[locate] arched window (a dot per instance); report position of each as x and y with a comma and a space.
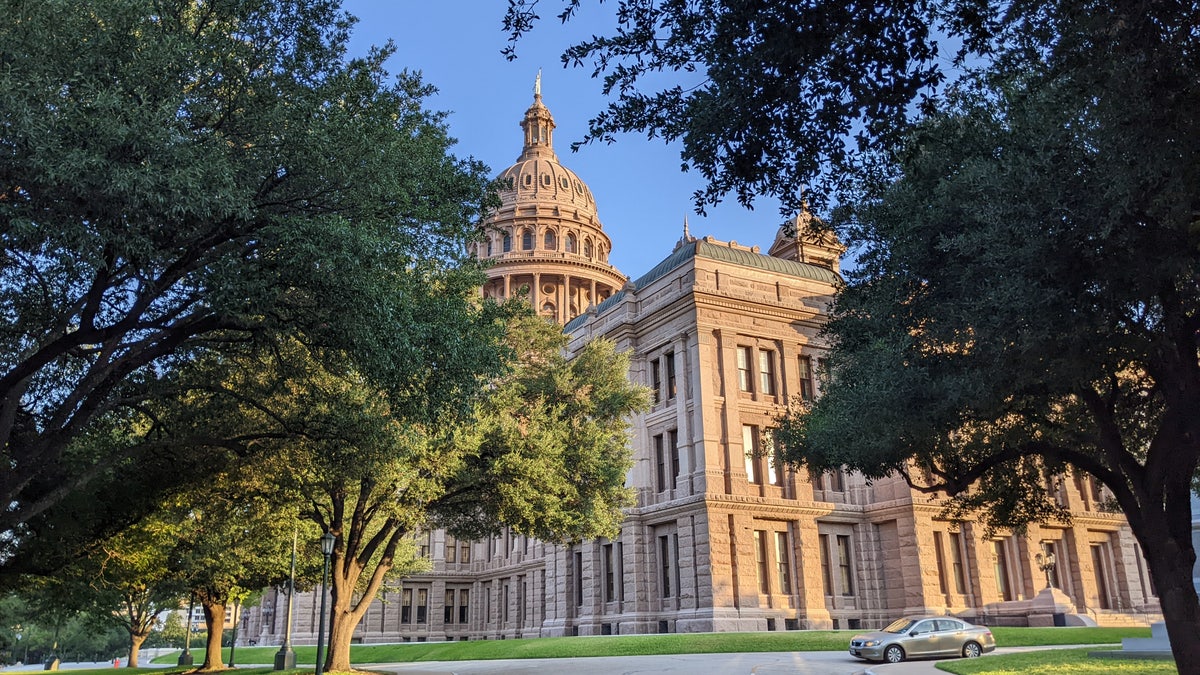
489, 245
603, 254
551, 241
507, 241
548, 309
527, 240
587, 248
570, 243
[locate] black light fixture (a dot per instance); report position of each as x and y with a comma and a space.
185, 659
327, 542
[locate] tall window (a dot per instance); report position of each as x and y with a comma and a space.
655, 381
664, 565
836, 480
766, 372
570, 243
550, 240
660, 460
489, 246
507, 242
845, 571
669, 361
806, 379
749, 442
760, 559
673, 449
448, 608
406, 606
463, 603
826, 573
956, 563
743, 365
587, 248
941, 565
527, 240
578, 578
783, 562
464, 552
422, 604
768, 440
609, 574
1000, 561
451, 549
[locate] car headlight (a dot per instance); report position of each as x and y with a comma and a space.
871, 643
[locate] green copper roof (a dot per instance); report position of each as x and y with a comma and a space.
700, 248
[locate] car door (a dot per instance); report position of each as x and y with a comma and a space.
950, 636
922, 639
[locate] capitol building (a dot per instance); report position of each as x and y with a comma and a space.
724, 334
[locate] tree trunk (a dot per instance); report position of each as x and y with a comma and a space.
1171, 568
135, 646
341, 634
214, 620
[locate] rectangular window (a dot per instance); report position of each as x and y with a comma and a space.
956, 563
743, 364
826, 573
1000, 562
422, 604
451, 549
806, 379
783, 562
506, 603
837, 480
406, 606
845, 571
660, 461
448, 608
760, 559
620, 571
579, 578
766, 372
673, 445
463, 612
465, 553
609, 574
655, 381
941, 566
424, 545
773, 473
664, 562
749, 439
669, 361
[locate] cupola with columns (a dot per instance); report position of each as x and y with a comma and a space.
546, 238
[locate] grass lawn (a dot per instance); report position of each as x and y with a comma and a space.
637, 645
1056, 662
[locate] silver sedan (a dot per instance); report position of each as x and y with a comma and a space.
919, 637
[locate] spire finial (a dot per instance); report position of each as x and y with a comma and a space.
686, 234
537, 85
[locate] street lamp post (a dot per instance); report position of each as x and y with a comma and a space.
185, 659
1046, 563
237, 602
285, 658
327, 541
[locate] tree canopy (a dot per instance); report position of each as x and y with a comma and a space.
181, 178
1027, 299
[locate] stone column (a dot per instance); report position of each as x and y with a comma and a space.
810, 583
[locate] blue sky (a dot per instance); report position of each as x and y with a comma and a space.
640, 190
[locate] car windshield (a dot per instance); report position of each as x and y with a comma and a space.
899, 626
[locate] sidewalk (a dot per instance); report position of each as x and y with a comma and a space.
928, 667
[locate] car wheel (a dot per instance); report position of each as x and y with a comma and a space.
972, 650
893, 654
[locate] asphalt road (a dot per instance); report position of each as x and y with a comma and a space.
760, 663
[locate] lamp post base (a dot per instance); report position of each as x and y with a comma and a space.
285, 659
185, 659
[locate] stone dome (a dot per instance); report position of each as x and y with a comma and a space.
545, 241
537, 175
